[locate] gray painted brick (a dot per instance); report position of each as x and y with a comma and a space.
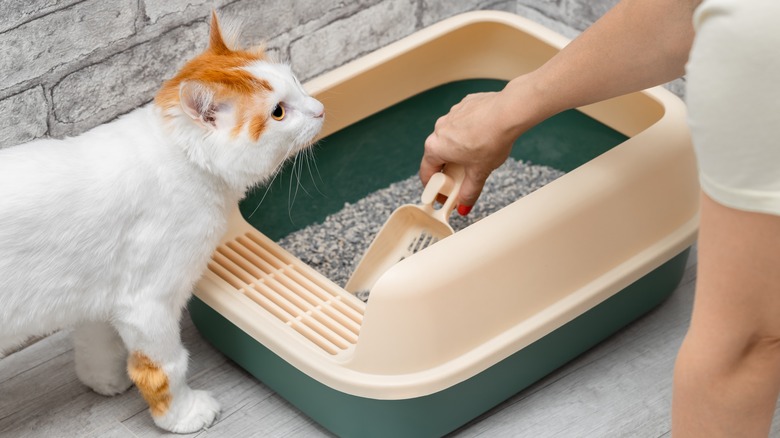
270, 19
16, 12
549, 8
580, 14
437, 10
350, 37
100, 92
177, 12
677, 87
291, 18
555, 25
23, 117
39, 46
156, 9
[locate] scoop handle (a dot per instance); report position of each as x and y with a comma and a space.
447, 183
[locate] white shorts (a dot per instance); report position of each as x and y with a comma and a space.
733, 97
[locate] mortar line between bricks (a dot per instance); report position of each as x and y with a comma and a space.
549, 17
45, 14
141, 20
144, 22
207, 17
340, 18
335, 19
420, 13
492, 4
49, 98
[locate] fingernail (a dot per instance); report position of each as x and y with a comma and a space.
464, 209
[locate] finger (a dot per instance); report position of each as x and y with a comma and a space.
439, 123
430, 162
470, 97
469, 192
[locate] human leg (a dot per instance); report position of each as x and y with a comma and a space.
727, 374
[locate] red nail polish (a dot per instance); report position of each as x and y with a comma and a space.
463, 210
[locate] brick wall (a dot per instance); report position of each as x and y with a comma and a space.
69, 65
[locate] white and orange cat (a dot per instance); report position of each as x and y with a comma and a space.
107, 232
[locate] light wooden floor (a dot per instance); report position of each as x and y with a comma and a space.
621, 388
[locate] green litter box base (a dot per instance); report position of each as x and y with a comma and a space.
442, 412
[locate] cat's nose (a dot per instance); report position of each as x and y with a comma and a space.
317, 109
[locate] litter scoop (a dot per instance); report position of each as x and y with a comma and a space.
409, 229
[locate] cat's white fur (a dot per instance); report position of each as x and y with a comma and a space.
107, 232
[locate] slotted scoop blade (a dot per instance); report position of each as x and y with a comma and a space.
409, 229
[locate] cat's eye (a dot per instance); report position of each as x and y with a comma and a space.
278, 112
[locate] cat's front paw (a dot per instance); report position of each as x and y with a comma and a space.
199, 413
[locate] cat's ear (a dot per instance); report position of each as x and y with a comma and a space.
217, 40
198, 102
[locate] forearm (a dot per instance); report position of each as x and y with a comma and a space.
636, 45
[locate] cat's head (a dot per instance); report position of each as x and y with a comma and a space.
236, 113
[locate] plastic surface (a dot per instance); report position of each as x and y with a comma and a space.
441, 412
437, 318
410, 229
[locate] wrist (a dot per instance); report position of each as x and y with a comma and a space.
525, 104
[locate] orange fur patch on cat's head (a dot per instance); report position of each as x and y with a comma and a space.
236, 113
219, 71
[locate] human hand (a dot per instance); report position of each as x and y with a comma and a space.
477, 133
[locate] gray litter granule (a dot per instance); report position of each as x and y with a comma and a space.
335, 246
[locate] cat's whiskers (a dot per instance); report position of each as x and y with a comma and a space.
276, 173
309, 155
267, 188
306, 156
304, 159
290, 194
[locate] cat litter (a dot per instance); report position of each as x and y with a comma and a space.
335, 246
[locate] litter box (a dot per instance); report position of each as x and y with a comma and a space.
459, 327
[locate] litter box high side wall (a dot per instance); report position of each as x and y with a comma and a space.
70, 65
538, 263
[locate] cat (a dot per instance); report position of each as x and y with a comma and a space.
107, 232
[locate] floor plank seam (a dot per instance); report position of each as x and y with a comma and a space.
133, 415
34, 366
127, 430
